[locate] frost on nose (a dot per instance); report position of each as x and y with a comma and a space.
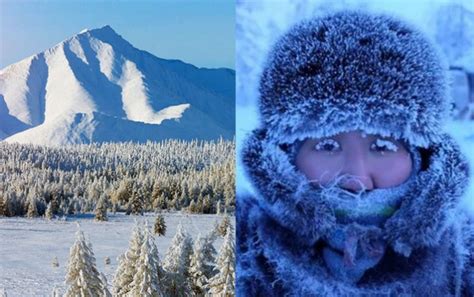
356, 183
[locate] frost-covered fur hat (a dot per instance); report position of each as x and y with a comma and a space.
354, 70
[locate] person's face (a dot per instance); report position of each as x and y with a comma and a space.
370, 161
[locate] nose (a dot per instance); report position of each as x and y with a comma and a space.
356, 174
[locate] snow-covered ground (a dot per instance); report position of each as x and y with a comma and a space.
28, 246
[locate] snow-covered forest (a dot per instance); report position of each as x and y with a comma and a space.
196, 176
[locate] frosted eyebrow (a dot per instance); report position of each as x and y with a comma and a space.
320, 145
390, 145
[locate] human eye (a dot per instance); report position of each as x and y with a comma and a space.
383, 145
328, 145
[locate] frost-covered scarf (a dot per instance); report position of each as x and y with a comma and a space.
356, 244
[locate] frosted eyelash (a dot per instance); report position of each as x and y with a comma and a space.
321, 144
385, 143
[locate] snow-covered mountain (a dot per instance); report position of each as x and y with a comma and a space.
97, 87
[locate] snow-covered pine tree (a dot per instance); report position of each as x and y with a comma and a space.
83, 278
3, 206
101, 209
198, 280
202, 264
160, 225
122, 195
32, 208
209, 255
207, 205
127, 266
192, 207
218, 207
176, 264
222, 228
147, 281
49, 211
136, 203
223, 283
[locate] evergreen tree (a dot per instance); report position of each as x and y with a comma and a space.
82, 277
223, 283
32, 208
176, 263
128, 263
218, 207
123, 193
192, 207
101, 210
207, 205
3, 206
223, 226
209, 255
136, 203
160, 202
148, 277
49, 211
202, 264
160, 225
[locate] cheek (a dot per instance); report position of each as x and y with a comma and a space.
391, 171
318, 167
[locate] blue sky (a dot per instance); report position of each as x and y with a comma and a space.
200, 32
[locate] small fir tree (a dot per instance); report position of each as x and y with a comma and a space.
223, 283
222, 228
148, 277
83, 278
101, 210
176, 263
32, 208
128, 263
202, 264
136, 203
49, 211
160, 225
3, 207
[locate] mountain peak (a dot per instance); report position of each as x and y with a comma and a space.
107, 29
105, 34
95, 86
